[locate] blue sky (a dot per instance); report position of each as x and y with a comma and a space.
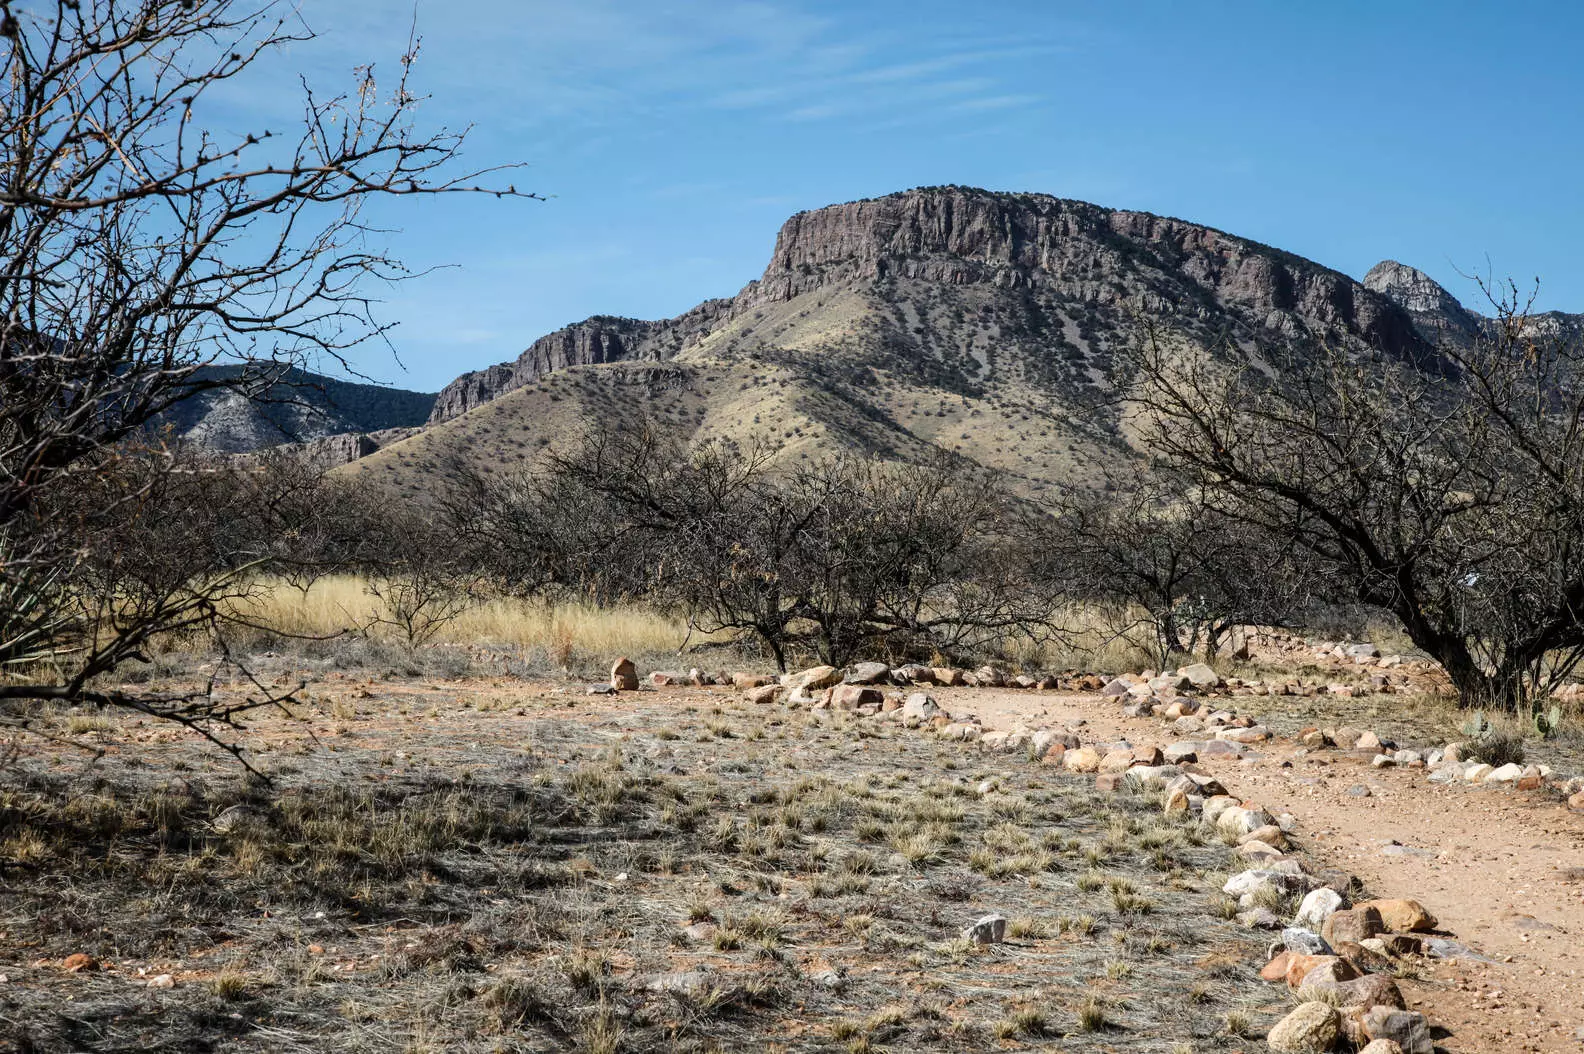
675, 137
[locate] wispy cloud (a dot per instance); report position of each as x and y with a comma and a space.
607, 62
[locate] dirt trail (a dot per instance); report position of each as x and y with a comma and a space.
1503, 871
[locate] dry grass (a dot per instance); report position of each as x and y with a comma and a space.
471, 878
561, 631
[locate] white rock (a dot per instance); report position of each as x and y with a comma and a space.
1318, 906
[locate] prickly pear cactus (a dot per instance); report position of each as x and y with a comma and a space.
1476, 725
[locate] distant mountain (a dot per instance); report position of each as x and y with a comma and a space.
300, 407
941, 318
1437, 314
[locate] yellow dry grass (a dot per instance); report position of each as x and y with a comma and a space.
343, 603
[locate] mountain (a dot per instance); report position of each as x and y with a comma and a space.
983, 323
299, 407
1438, 316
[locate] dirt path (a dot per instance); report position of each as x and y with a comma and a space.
1502, 870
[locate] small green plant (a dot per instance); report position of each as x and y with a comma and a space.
1547, 723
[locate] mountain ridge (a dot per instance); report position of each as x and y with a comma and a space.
962, 236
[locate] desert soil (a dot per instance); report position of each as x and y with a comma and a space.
1503, 871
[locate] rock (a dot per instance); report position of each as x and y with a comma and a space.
1109, 782
1401, 915
1505, 774
1400, 944
1312, 1028
1383, 761
913, 673
765, 694
624, 675
1368, 743
1258, 852
1269, 834
1363, 651
1345, 737
163, 980
1259, 919
963, 731
1117, 688
989, 930
1576, 802
947, 677
750, 681
1318, 906
1276, 969
989, 677
919, 708
1381, 1046
1333, 967
1249, 882
1116, 761
1364, 959
1182, 752
79, 962
601, 689
1199, 675
1300, 941
815, 678
1151, 777
1354, 925
1406, 1028
1477, 772
868, 673
854, 696
1083, 759
1240, 821
1176, 802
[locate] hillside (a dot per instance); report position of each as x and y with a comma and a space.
982, 323
300, 407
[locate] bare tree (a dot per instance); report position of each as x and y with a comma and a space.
843, 557
138, 246
1449, 491
1168, 559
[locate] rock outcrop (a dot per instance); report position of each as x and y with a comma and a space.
1059, 262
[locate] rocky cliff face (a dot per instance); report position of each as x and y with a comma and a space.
1435, 312
601, 339
298, 408
1057, 251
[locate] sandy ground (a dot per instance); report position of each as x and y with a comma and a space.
1502, 870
